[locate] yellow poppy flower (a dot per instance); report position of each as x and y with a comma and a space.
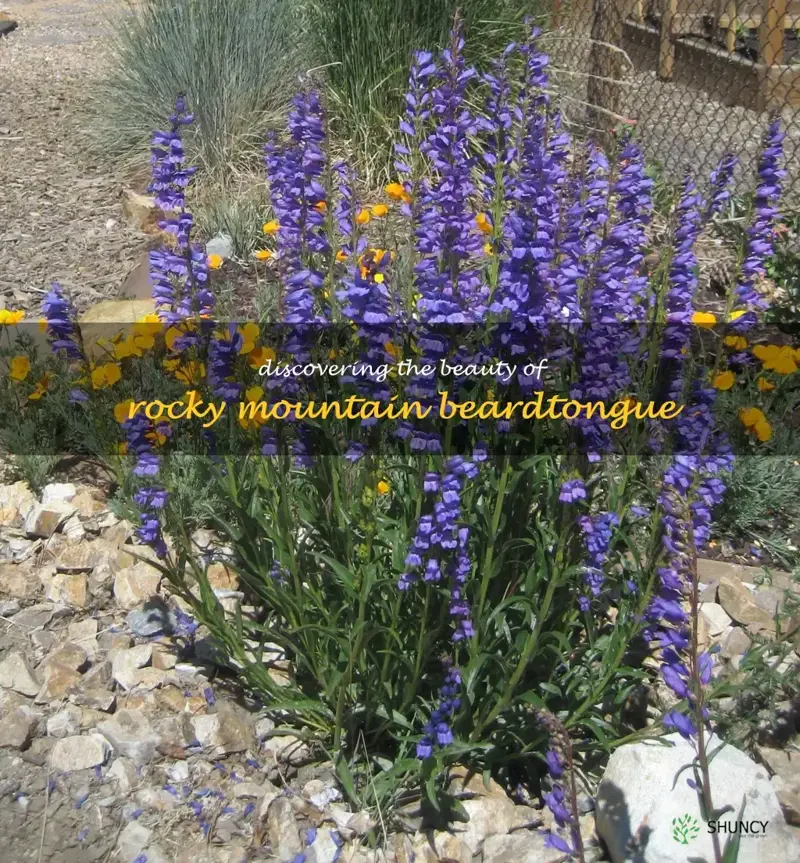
778, 358
379, 277
380, 210
262, 254
42, 325
149, 325
271, 227
169, 337
764, 385
363, 217
704, 319
122, 448
738, 343
250, 333
723, 380
488, 250
258, 356
391, 349
143, 342
736, 315
171, 364
762, 430
397, 192
126, 348
214, 262
19, 368
41, 388
321, 207
383, 487
751, 417
105, 376
483, 223
341, 256
122, 411
191, 373
7, 317
254, 394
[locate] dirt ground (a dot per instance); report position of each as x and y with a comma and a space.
60, 213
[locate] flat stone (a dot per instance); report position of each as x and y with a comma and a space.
9, 607
221, 245
324, 848
81, 752
286, 749
35, 616
70, 589
163, 658
18, 728
16, 501
77, 558
223, 733
489, 816
58, 492
117, 312
283, 831
131, 735
124, 663
221, 577
715, 570
16, 674
43, 520
87, 503
785, 769
735, 644
123, 772
141, 211
148, 622
65, 723
133, 840
58, 680
95, 698
638, 788
738, 602
716, 617
84, 634
135, 585
18, 581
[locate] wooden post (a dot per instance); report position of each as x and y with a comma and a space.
730, 36
770, 47
605, 63
666, 51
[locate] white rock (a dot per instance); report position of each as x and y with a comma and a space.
132, 841
179, 772
321, 793
135, 585
65, 723
283, 831
223, 733
131, 735
287, 749
270, 793
58, 491
16, 674
717, 618
123, 772
248, 789
323, 849
125, 664
489, 816
637, 789
526, 846
79, 753
221, 245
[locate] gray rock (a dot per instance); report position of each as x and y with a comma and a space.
35, 616
132, 842
131, 735
147, 622
18, 728
738, 602
286, 749
223, 733
43, 520
9, 607
522, 847
785, 769
735, 644
636, 797
283, 832
16, 674
125, 664
716, 617
65, 723
221, 245
324, 848
81, 752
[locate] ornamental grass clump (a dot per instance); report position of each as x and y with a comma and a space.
449, 554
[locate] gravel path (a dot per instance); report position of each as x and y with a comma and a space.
60, 215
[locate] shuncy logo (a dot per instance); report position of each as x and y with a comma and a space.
685, 828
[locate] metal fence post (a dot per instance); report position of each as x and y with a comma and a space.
770, 47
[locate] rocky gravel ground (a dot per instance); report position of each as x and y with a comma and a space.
122, 740
60, 212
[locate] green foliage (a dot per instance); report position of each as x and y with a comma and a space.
232, 60
366, 47
35, 469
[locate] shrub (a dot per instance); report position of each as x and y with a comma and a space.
231, 59
432, 582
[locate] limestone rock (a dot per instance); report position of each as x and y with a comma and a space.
286, 749
70, 589
16, 674
637, 789
785, 769
131, 735
133, 840
135, 584
526, 846
489, 816
58, 680
223, 733
735, 644
18, 581
125, 664
18, 728
65, 723
58, 492
141, 211
43, 520
116, 312
35, 616
16, 501
284, 834
84, 634
93, 698
738, 602
324, 848
716, 617
81, 752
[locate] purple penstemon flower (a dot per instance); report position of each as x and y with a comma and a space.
719, 182
437, 731
62, 329
572, 490
597, 531
178, 271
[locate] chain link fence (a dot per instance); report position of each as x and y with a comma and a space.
697, 77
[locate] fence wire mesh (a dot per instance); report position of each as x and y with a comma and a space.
698, 78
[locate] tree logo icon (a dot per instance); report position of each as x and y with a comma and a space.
685, 829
